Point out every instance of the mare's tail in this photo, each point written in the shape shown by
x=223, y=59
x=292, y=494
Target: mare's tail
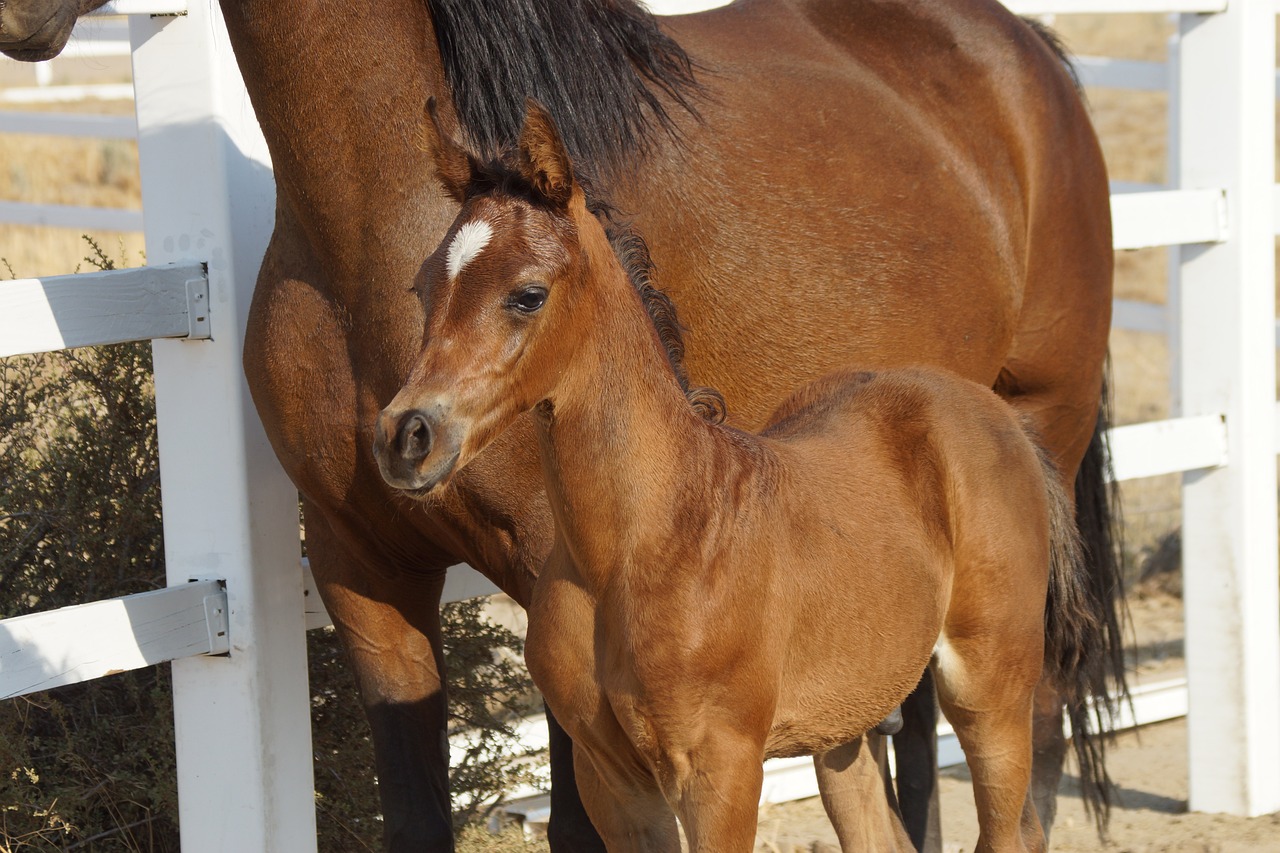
x=1084, y=648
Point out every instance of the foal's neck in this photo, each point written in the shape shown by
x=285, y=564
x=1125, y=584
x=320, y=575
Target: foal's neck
x=625, y=455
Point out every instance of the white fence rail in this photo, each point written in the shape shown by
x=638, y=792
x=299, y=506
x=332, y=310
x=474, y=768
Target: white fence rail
x=108, y=307
x=230, y=514
x=66, y=124
x=87, y=641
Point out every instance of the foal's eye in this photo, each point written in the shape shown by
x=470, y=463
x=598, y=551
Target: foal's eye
x=528, y=300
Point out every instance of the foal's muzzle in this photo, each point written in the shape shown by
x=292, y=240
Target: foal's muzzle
x=402, y=444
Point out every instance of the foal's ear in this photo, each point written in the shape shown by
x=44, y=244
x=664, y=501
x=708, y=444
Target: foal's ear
x=452, y=161
x=543, y=158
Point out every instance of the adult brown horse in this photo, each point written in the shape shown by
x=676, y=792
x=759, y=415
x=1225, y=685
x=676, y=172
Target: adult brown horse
x=944, y=202
x=715, y=597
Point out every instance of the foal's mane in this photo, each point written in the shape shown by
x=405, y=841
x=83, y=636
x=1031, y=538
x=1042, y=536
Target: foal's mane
x=503, y=176
x=589, y=62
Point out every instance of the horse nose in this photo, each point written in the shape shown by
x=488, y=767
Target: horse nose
x=412, y=437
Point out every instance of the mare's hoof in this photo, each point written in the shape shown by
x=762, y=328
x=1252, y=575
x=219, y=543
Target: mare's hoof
x=891, y=724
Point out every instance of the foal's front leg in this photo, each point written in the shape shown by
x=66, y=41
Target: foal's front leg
x=628, y=809
x=718, y=793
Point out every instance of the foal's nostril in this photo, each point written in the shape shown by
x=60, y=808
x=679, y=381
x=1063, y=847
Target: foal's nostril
x=414, y=438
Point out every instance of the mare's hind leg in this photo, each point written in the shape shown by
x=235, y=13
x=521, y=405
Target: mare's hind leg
x=1050, y=746
x=851, y=781
x=986, y=684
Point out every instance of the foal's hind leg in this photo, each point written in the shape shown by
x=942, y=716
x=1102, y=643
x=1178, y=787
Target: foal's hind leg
x=986, y=686
x=851, y=781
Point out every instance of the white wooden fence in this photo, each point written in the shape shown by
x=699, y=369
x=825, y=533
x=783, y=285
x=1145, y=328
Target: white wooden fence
x=236, y=597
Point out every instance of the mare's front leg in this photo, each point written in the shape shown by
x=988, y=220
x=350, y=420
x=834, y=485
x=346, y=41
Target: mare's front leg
x=851, y=781
x=916, y=749
x=389, y=625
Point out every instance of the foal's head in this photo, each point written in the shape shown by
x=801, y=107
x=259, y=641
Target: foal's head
x=499, y=292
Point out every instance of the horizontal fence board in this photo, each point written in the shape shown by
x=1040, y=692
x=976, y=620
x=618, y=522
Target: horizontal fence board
x=1135, y=316
x=1123, y=187
x=67, y=216
x=1142, y=220
x=462, y=582
x=87, y=641
x=67, y=94
x=1103, y=72
x=143, y=7
x=93, y=46
x=1020, y=7
x=112, y=306
x=1107, y=7
x=99, y=26
x=69, y=124
x=1168, y=447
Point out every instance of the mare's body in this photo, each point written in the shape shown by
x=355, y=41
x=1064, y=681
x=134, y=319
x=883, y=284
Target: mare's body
x=714, y=597
x=943, y=201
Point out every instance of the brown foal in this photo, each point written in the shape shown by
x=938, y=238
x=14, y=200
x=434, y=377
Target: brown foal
x=713, y=597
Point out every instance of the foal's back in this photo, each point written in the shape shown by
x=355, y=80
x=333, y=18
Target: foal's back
x=899, y=481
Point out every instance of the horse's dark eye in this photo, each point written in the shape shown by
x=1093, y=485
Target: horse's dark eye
x=528, y=300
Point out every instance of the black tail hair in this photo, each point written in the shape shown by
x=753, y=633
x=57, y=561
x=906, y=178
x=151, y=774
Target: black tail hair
x=1102, y=683
x=1084, y=644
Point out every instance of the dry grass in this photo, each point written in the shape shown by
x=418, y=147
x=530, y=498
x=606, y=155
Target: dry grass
x=79, y=172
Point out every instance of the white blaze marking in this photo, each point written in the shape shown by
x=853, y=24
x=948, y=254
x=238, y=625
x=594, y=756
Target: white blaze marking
x=467, y=243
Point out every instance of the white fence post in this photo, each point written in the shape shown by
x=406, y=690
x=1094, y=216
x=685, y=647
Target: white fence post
x=242, y=722
x=1227, y=86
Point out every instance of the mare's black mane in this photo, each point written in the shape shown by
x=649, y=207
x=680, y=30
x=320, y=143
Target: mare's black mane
x=596, y=65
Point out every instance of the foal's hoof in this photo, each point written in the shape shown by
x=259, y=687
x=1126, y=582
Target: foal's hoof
x=891, y=724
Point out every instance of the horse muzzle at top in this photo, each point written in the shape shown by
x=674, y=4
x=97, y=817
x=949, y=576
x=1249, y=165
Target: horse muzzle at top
x=32, y=31
x=414, y=452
